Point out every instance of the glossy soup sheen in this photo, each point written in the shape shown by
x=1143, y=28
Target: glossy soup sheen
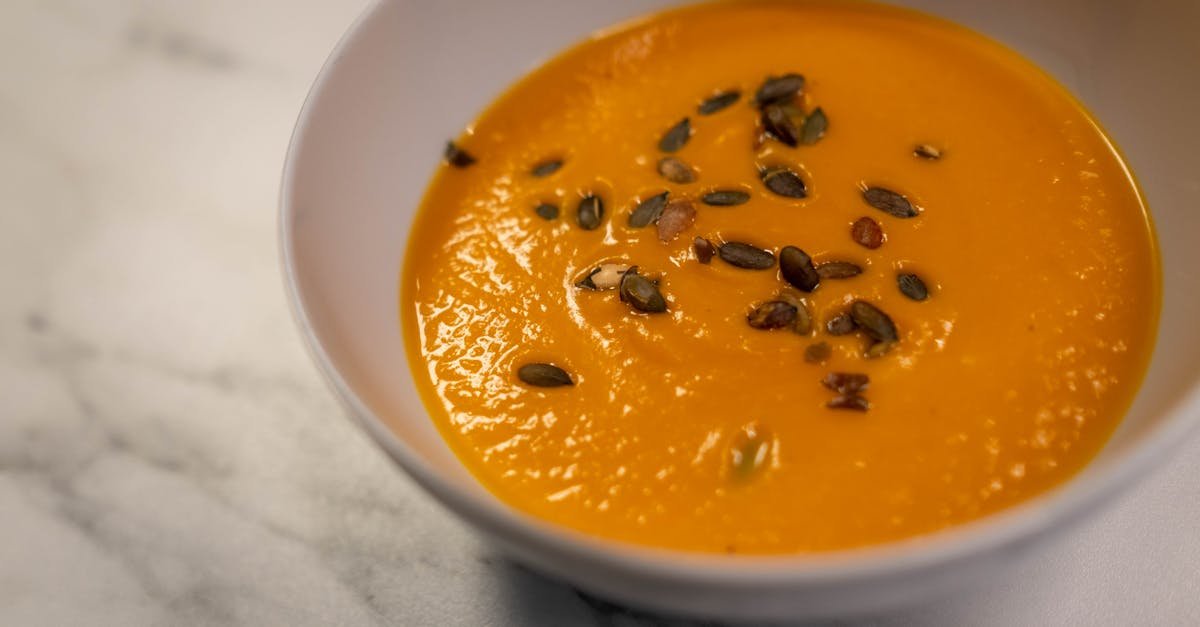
x=1032, y=239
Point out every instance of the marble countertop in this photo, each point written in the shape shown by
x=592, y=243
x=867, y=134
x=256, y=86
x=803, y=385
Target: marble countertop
x=168, y=453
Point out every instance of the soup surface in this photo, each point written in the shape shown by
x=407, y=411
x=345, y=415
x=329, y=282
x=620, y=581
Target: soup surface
x=1005, y=274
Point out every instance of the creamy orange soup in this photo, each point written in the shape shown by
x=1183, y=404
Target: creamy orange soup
x=998, y=249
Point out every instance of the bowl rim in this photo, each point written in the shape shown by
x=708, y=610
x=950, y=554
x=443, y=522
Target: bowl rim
x=1051, y=510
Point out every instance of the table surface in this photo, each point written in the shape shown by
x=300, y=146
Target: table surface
x=168, y=453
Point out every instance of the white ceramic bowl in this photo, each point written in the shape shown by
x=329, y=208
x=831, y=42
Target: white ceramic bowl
x=410, y=74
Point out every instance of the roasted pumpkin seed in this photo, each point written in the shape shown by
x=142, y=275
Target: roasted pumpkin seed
x=878, y=349
x=846, y=382
x=925, y=151
x=457, y=157
x=746, y=256
x=675, y=170
x=889, y=202
x=606, y=276
x=590, y=212
x=779, y=124
x=676, y=136
x=546, y=168
x=797, y=269
x=718, y=102
x=838, y=270
x=867, y=233
x=704, y=249
x=841, y=324
x=912, y=286
x=544, y=375
x=779, y=89
x=648, y=211
x=803, y=323
x=725, y=197
x=676, y=218
x=546, y=211
x=852, y=402
x=873, y=321
x=815, y=126
x=817, y=353
x=641, y=293
x=783, y=182
x=774, y=314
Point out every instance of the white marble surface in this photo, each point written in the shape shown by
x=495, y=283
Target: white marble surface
x=168, y=454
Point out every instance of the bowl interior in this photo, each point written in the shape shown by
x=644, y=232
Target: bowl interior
x=412, y=74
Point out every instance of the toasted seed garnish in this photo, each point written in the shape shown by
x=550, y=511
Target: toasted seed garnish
x=797, y=268
x=590, y=212
x=606, y=276
x=546, y=168
x=780, y=125
x=873, y=321
x=457, y=157
x=783, y=182
x=803, y=323
x=546, y=211
x=912, y=286
x=878, y=349
x=676, y=218
x=838, y=270
x=889, y=202
x=849, y=401
x=748, y=452
x=925, y=151
x=817, y=353
x=641, y=293
x=704, y=249
x=746, y=256
x=718, y=102
x=779, y=89
x=586, y=282
x=846, y=382
x=648, y=211
x=676, y=136
x=774, y=314
x=867, y=233
x=815, y=126
x=726, y=197
x=675, y=170
x=544, y=375
x=841, y=324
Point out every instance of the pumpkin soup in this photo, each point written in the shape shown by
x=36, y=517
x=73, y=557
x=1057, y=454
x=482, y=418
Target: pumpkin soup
x=767, y=277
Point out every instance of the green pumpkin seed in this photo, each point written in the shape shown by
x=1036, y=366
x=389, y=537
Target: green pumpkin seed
x=676, y=136
x=544, y=375
x=675, y=170
x=852, y=402
x=925, y=151
x=546, y=211
x=774, y=314
x=746, y=256
x=912, y=286
x=838, y=270
x=726, y=197
x=779, y=124
x=889, y=202
x=818, y=353
x=590, y=212
x=648, y=211
x=704, y=249
x=779, y=89
x=846, y=382
x=878, y=349
x=783, y=182
x=718, y=102
x=797, y=269
x=457, y=157
x=873, y=321
x=546, y=168
x=841, y=324
x=815, y=126
x=641, y=293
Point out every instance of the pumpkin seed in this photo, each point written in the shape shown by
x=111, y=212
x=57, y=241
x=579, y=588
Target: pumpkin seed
x=590, y=212
x=925, y=151
x=457, y=157
x=803, y=323
x=704, y=249
x=774, y=314
x=846, y=382
x=815, y=126
x=841, y=324
x=817, y=353
x=648, y=211
x=838, y=270
x=748, y=451
x=726, y=197
x=544, y=375
x=873, y=321
x=546, y=168
x=718, y=102
x=746, y=256
x=779, y=124
x=779, y=89
x=867, y=233
x=641, y=293
x=546, y=211
x=878, y=349
x=889, y=202
x=676, y=136
x=606, y=276
x=797, y=269
x=912, y=286
x=675, y=170
x=849, y=401
x=676, y=218
x=783, y=182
